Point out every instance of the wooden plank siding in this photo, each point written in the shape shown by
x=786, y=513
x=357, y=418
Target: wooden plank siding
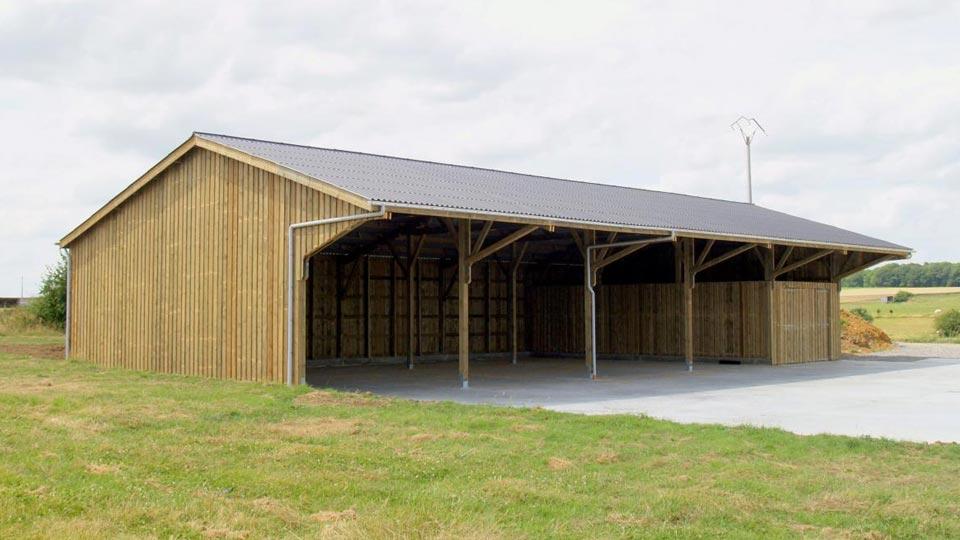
x=728, y=320
x=188, y=275
x=435, y=323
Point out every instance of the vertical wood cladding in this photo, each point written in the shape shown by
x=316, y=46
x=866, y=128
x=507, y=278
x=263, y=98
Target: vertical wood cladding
x=729, y=320
x=189, y=274
x=370, y=305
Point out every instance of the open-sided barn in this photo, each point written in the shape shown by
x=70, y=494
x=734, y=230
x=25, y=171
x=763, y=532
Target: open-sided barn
x=248, y=259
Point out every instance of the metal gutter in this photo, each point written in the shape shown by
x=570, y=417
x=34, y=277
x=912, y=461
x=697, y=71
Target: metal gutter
x=294, y=227
x=691, y=233
x=593, y=294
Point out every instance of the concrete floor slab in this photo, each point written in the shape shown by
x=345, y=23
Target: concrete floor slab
x=903, y=394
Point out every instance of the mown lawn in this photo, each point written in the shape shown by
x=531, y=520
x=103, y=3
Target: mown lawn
x=911, y=320
x=89, y=452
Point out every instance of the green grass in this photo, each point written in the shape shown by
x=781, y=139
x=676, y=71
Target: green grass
x=911, y=320
x=91, y=452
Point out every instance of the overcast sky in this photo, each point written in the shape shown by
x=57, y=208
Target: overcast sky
x=861, y=100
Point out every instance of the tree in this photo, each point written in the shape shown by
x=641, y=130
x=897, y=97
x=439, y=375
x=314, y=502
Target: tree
x=50, y=307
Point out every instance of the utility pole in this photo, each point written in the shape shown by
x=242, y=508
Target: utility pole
x=748, y=128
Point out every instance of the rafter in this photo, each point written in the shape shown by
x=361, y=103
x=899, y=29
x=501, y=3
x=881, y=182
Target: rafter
x=706, y=251
x=482, y=237
x=802, y=262
x=726, y=256
x=784, y=258
x=502, y=243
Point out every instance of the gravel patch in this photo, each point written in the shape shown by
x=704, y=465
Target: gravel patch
x=922, y=350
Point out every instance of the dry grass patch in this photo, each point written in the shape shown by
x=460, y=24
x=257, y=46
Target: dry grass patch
x=330, y=516
x=54, y=352
x=38, y=387
x=350, y=399
x=520, y=428
x=315, y=427
x=277, y=509
x=607, y=457
x=101, y=468
x=558, y=464
x=627, y=520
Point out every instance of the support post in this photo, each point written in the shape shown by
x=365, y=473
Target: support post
x=589, y=278
x=410, y=302
x=769, y=267
x=514, y=268
x=366, y=307
x=463, y=301
x=688, y=277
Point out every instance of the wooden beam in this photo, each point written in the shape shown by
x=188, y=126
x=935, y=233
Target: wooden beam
x=452, y=229
x=706, y=251
x=482, y=237
x=611, y=237
x=861, y=265
x=579, y=242
x=717, y=260
x=784, y=258
x=618, y=255
x=804, y=261
x=463, y=302
x=502, y=243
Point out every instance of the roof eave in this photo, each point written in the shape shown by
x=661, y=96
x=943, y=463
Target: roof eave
x=899, y=252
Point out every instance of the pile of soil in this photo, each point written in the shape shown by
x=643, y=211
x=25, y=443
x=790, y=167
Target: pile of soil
x=859, y=336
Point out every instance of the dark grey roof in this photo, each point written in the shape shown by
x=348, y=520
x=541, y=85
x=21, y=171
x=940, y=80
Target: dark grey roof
x=400, y=181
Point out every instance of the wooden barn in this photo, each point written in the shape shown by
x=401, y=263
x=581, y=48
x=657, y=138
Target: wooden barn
x=255, y=260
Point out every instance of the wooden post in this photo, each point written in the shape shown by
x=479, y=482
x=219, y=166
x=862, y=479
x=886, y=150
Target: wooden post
x=463, y=301
x=589, y=238
x=419, y=308
x=514, y=266
x=688, y=277
x=410, y=302
x=366, y=306
x=486, y=307
x=393, y=309
x=769, y=267
x=441, y=312
x=339, y=309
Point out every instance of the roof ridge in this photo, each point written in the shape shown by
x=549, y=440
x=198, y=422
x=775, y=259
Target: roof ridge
x=416, y=160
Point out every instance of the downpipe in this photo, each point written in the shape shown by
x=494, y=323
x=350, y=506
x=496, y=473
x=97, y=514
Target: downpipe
x=66, y=324
x=593, y=293
x=291, y=272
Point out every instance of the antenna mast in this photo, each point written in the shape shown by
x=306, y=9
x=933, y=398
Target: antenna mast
x=748, y=128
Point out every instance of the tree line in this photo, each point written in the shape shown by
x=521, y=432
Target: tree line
x=938, y=274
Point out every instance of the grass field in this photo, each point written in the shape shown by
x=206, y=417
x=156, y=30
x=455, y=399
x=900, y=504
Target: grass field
x=90, y=452
x=905, y=321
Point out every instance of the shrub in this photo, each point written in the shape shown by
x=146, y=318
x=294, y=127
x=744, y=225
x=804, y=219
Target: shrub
x=902, y=296
x=948, y=323
x=50, y=307
x=862, y=313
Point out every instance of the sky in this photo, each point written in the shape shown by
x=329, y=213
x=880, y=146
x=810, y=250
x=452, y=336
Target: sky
x=860, y=100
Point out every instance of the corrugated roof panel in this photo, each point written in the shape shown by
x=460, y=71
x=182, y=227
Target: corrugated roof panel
x=395, y=180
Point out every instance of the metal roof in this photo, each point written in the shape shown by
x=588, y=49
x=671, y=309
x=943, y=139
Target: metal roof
x=400, y=181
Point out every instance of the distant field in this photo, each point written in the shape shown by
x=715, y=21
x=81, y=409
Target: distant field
x=906, y=321
x=871, y=294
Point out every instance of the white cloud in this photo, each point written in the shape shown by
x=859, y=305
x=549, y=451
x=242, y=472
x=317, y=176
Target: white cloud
x=859, y=99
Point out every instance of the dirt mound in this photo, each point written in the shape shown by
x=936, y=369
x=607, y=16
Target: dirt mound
x=859, y=336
